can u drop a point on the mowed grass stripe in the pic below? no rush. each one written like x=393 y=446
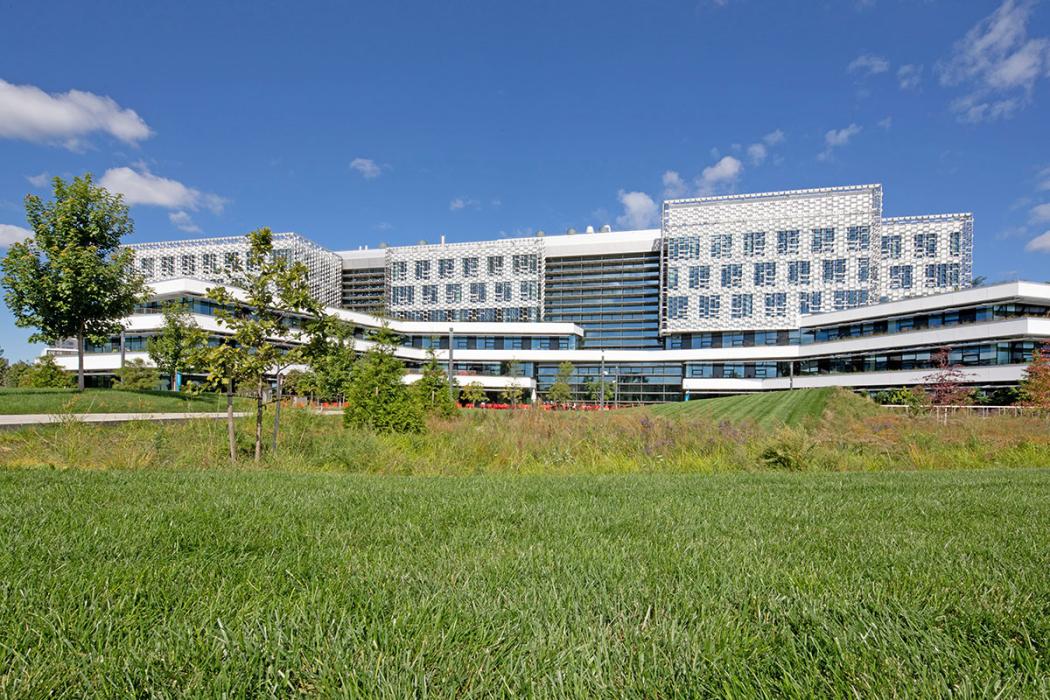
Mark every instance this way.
x=789 y=407
x=262 y=583
x=61 y=401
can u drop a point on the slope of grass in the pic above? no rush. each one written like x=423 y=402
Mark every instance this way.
x=767 y=408
x=247 y=583
x=52 y=401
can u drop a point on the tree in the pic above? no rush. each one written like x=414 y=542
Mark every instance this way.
x=598 y=390
x=946 y=385
x=561 y=391
x=179 y=340
x=473 y=393
x=511 y=394
x=45 y=374
x=432 y=389
x=377 y=399
x=72 y=278
x=273 y=288
x=136 y=375
x=1036 y=382
x=17 y=373
x=329 y=353
x=4 y=364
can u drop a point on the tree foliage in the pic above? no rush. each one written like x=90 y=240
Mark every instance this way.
x=377 y=399
x=946 y=385
x=433 y=391
x=473 y=393
x=45 y=374
x=72 y=278
x=17 y=373
x=561 y=391
x=1035 y=386
x=330 y=356
x=598 y=389
x=272 y=288
x=178 y=342
x=136 y=375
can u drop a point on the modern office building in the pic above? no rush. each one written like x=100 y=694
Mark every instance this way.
x=735 y=293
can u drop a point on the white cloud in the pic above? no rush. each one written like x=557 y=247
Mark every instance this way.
x=721 y=175
x=28 y=113
x=998 y=64
x=1040 y=243
x=1040 y=213
x=774 y=137
x=183 y=222
x=909 y=76
x=10 y=234
x=1044 y=180
x=868 y=64
x=143 y=187
x=367 y=167
x=463 y=203
x=38 y=180
x=836 y=138
x=674 y=185
x=885 y=123
x=757 y=152
x=639 y=210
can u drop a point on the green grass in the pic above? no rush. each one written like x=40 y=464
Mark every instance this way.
x=250 y=583
x=52 y=401
x=789 y=407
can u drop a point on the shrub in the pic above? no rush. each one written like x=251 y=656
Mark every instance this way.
x=136 y=375
x=45 y=374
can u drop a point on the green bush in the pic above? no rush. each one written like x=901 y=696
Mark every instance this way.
x=45 y=374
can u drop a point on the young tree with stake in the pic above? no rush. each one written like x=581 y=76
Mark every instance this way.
x=177 y=343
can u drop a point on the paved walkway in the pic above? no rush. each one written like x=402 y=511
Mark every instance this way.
x=17 y=421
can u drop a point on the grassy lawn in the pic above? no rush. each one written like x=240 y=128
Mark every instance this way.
x=246 y=583
x=767 y=408
x=52 y=401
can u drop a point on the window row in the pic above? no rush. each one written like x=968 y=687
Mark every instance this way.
x=521 y=264
x=476 y=293
x=799 y=273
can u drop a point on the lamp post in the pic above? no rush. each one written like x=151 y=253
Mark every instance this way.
x=451 y=382
x=601 y=383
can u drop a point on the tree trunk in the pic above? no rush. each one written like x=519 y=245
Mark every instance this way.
x=230 y=434
x=258 y=419
x=80 y=358
x=172 y=376
x=277 y=413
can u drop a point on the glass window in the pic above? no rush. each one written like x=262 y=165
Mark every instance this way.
x=732 y=275
x=858 y=238
x=167 y=265
x=146 y=266
x=530 y=290
x=210 y=263
x=677 y=307
x=430 y=294
x=787 y=242
x=823 y=240
x=477 y=292
x=502 y=291
x=755 y=243
x=422 y=269
x=399 y=270
x=402 y=295
x=799 y=272
x=835 y=270
x=891 y=247
x=446 y=267
x=672 y=278
x=453 y=293
x=232 y=262
x=809 y=302
x=900 y=276
x=955 y=243
x=699 y=277
x=470 y=267
x=722 y=245
x=684 y=248
x=709 y=305
x=925 y=245
x=863 y=269
x=525 y=263
x=742 y=306
x=189 y=265
x=765 y=274
x=776 y=305
x=495 y=266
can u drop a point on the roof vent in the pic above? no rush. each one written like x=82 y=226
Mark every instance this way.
x=383 y=245
x=540 y=234
x=590 y=229
x=570 y=231
x=421 y=241
x=606 y=228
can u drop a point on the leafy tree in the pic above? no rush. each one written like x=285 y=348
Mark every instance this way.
x=4 y=364
x=16 y=374
x=45 y=374
x=72 y=278
x=946 y=385
x=272 y=287
x=511 y=394
x=473 y=393
x=178 y=342
x=1036 y=383
x=561 y=391
x=136 y=375
x=376 y=397
x=598 y=390
x=329 y=353
x=432 y=390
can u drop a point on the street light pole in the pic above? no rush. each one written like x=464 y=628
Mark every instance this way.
x=451 y=382
x=601 y=383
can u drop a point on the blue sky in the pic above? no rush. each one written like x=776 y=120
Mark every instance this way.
x=395 y=122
